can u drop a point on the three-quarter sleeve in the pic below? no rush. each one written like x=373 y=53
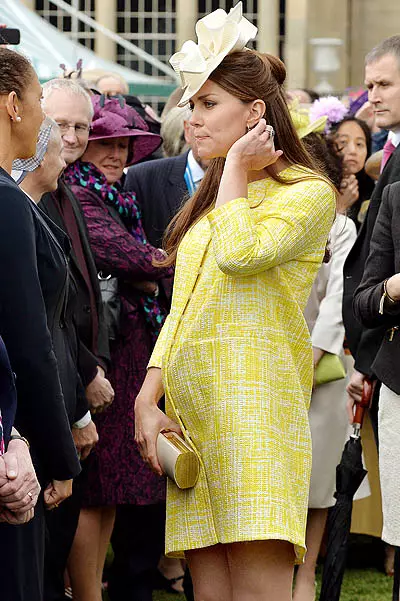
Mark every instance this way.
x=41 y=414
x=243 y=247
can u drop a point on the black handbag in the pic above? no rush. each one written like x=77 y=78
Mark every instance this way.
x=111 y=302
x=109 y=290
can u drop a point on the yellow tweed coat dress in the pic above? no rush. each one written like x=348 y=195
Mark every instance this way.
x=236 y=360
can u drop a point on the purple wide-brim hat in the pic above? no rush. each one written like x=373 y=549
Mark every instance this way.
x=113 y=118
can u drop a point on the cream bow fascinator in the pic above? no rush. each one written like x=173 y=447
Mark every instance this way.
x=218 y=34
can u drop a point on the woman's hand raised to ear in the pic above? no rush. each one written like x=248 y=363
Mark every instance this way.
x=255 y=150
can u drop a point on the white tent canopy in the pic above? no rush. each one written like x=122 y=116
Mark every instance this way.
x=47 y=48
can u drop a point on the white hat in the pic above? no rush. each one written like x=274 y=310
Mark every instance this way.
x=218 y=34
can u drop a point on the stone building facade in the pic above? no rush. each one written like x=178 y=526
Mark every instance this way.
x=285 y=28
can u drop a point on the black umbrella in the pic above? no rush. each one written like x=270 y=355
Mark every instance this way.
x=396 y=576
x=349 y=475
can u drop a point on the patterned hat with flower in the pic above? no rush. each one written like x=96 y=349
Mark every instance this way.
x=113 y=118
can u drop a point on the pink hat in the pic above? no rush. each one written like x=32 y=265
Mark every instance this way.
x=113 y=118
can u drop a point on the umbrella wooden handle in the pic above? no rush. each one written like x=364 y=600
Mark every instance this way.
x=365 y=402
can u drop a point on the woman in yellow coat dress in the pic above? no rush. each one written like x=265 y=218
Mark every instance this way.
x=234 y=357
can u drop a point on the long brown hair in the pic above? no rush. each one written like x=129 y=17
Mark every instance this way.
x=247 y=75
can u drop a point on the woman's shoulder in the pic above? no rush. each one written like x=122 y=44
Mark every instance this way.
x=14 y=202
x=299 y=187
x=83 y=193
x=343 y=231
x=305 y=178
x=8 y=185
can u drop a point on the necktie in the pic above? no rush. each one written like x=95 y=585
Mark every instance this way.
x=388 y=150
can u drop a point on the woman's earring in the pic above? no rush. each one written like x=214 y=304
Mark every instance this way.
x=248 y=128
x=18 y=119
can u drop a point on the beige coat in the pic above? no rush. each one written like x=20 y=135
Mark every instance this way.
x=237 y=365
x=328 y=417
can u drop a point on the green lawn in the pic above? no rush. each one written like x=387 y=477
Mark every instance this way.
x=358 y=585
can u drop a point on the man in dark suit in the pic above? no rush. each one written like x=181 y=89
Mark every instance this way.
x=161 y=187
x=70 y=106
x=382 y=77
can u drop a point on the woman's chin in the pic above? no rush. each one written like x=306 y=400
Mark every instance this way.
x=352 y=169
x=205 y=154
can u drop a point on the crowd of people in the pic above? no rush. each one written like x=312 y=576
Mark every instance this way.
x=191 y=274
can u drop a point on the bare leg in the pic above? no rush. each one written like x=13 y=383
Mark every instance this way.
x=172 y=569
x=86 y=560
x=389 y=560
x=210 y=573
x=254 y=571
x=305 y=578
x=107 y=525
x=261 y=570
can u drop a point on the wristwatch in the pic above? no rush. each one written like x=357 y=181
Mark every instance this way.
x=18 y=437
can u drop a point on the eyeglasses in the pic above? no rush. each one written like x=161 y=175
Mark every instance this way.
x=80 y=129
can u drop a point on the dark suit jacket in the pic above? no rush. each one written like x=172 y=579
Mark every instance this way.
x=8 y=395
x=160 y=190
x=364 y=342
x=89 y=357
x=60 y=297
x=383 y=262
x=29 y=294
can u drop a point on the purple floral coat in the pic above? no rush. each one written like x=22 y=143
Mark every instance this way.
x=115 y=474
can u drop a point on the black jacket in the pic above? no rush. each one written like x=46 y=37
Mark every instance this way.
x=61 y=321
x=160 y=190
x=383 y=262
x=8 y=395
x=88 y=356
x=33 y=280
x=364 y=342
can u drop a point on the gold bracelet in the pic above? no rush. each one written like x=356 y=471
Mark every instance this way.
x=18 y=437
x=387 y=296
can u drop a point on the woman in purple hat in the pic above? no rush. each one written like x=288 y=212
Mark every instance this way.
x=117 y=477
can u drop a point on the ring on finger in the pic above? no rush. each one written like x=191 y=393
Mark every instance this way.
x=30 y=495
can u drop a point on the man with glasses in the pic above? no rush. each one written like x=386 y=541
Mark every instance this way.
x=65 y=101
x=70 y=106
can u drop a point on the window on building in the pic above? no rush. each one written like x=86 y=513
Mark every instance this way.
x=57 y=17
x=150 y=25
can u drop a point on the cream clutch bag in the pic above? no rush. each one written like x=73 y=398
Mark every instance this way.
x=177 y=459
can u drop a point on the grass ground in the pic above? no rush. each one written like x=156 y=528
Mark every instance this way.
x=358 y=585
